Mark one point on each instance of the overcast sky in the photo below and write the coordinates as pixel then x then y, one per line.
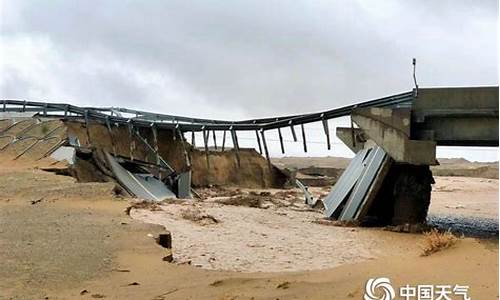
pixel 240 59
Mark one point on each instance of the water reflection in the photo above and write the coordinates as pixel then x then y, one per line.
pixel 468 226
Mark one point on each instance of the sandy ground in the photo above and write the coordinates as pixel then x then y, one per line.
pixel 55 232
pixel 63 240
pixel 475 197
pixel 301 162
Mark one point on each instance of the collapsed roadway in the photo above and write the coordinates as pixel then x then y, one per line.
pixel 388 181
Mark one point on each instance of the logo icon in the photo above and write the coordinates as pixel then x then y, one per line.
pixel 379 289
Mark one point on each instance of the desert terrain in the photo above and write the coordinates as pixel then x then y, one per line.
pixel 60 239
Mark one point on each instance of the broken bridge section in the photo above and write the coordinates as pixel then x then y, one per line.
pixel 395 139
pixel 409 136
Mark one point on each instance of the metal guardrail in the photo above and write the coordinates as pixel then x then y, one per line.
pixel 185 124
pixel 180 124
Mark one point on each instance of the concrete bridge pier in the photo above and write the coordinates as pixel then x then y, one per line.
pixel 410 134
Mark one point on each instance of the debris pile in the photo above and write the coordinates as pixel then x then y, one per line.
pixel 352 196
pixel 134 159
pixel 356 189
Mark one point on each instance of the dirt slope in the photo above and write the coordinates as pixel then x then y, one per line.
pixel 222 169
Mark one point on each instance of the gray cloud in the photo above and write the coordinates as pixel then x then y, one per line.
pixel 242 58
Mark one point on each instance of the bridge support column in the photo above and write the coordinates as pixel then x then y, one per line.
pixel 412 194
pixel 404 196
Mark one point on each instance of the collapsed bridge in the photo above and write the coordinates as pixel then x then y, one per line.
pixel 394 139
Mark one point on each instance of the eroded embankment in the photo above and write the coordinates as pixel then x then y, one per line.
pixel 223 168
pixel 31 140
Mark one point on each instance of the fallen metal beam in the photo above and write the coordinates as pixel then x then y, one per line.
pixel 143 186
pixel 373 163
pixel 345 184
pixel 184 185
pixel 309 199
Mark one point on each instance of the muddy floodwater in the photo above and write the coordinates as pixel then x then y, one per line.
pixel 283 234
